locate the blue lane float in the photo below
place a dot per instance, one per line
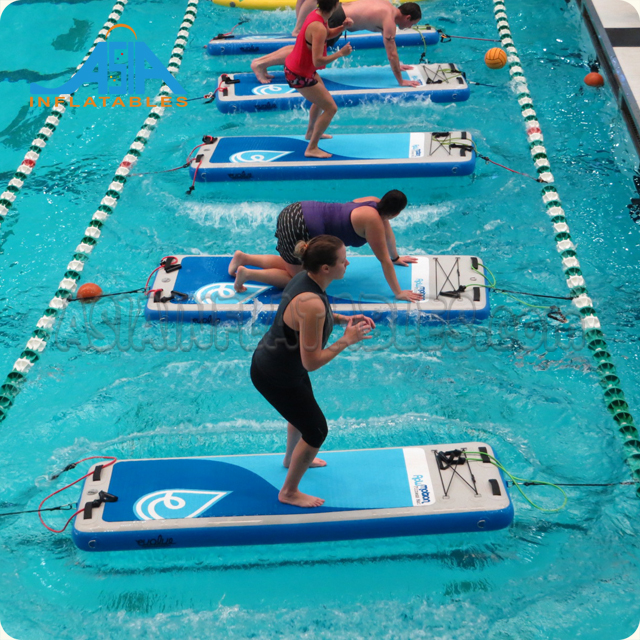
(260, 43)
(356, 155)
(233, 500)
(348, 86)
(199, 289)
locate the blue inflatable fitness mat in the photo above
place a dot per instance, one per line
(233, 500)
(199, 289)
(358, 155)
(348, 86)
(257, 43)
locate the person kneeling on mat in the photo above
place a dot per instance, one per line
(296, 344)
(378, 16)
(300, 70)
(355, 223)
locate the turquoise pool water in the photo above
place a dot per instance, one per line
(112, 385)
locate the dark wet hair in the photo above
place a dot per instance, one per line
(412, 10)
(327, 5)
(318, 251)
(392, 202)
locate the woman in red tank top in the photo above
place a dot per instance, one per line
(309, 54)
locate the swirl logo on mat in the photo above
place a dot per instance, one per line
(272, 89)
(258, 155)
(170, 504)
(224, 293)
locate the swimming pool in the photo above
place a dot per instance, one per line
(116, 386)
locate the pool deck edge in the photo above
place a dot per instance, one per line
(614, 26)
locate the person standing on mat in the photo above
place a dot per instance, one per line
(355, 223)
(300, 69)
(296, 344)
(379, 16)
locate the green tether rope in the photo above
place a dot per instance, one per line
(515, 481)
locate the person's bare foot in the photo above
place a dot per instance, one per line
(299, 499)
(242, 275)
(317, 462)
(236, 261)
(324, 136)
(261, 72)
(316, 153)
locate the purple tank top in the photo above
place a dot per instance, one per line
(334, 219)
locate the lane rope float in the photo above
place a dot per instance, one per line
(38, 342)
(7, 198)
(611, 384)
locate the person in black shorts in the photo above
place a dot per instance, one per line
(296, 344)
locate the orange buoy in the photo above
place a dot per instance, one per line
(594, 79)
(89, 292)
(495, 58)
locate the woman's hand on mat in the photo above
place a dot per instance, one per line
(406, 67)
(405, 261)
(348, 22)
(346, 50)
(356, 331)
(409, 296)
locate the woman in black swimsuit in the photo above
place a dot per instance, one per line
(296, 344)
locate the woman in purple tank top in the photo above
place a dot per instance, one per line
(365, 220)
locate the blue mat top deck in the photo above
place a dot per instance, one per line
(248, 485)
(371, 78)
(286, 35)
(265, 42)
(356, 146)
(206, 280)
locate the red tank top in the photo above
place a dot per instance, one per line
(300, 60)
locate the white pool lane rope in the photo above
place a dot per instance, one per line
(613, 394)
(38, 341)
(60, 103)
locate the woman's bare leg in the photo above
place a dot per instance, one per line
(273, 277)
(303, 456)
(293, 437)
(320, 97)
(303, 9)
(314, 112)
(240, 258)
(260, 65)
(273, 270)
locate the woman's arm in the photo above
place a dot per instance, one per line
(309, 314)
(318, 35)
(376, 235)
(390, 239)
(396, 258)
(374, 231)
